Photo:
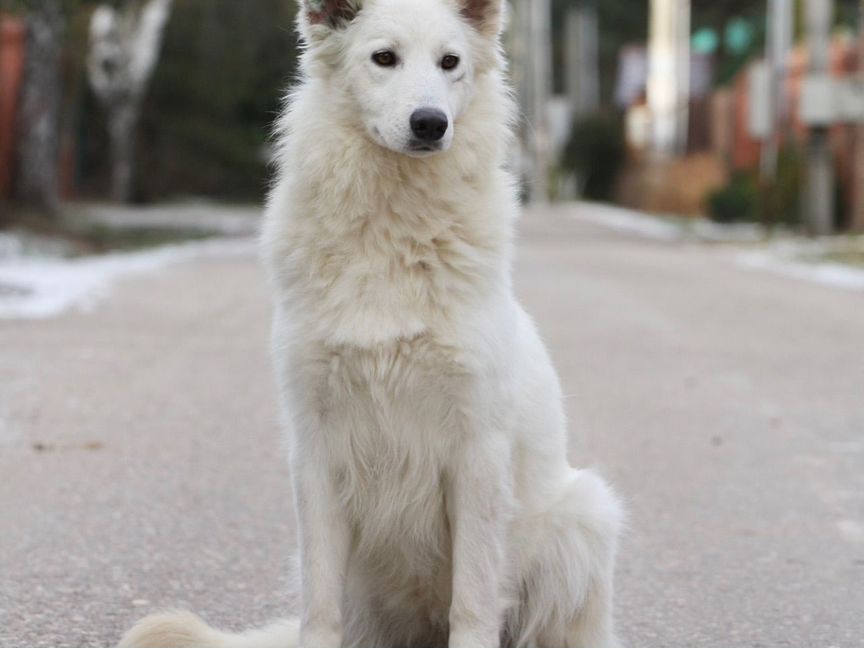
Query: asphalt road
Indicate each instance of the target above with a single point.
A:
(141, 468)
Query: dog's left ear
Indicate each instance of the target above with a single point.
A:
(334, 14)
(487, 16)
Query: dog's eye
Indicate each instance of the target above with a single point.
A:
(384, 58)
(450, 62)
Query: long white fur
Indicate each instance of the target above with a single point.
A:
(434, 500)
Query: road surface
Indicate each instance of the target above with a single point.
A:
(141, 468)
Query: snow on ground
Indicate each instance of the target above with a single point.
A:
(668, 228)
(628, 221)
(783, 254)
(16, 244)
(228, 220)
(35, 288)
(838, 275)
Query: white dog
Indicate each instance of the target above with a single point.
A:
(434, 499)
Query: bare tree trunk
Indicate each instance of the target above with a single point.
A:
(124, 47)
(122, 122)
(857, 224)
(36, 180)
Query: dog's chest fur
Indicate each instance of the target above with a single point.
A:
(381, 276)
(378, 308)
(391, 416)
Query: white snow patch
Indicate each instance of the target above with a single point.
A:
(17, 244)
(829, 274)
(787, 256)
(626, 220)
(668, 228)
(228, 220)
(43, 288)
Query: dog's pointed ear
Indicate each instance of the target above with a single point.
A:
(487, 16)
(335, 14)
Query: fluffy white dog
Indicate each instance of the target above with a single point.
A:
(434, 500)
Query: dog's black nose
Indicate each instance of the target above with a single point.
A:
(429, 124)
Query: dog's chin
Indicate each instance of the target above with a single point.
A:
(417, 149)
(423, 150)
(412, 148)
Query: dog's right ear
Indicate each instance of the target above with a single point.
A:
(329, 14)
(487, 16)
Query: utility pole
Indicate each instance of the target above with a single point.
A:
(581, 44)
(820, 185)
(777, 47)
(540, 39)
(669, 75)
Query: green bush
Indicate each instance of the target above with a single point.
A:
(737, 202)
(781, 199)
(596, 153)
(749, 199)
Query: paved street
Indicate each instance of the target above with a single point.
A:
(140, 464)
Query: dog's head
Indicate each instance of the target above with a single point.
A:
(407, 67)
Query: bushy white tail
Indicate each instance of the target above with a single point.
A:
(185, 630)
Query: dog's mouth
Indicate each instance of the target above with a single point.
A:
(421, 149)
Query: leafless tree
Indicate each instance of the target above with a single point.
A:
(124, 49)
(36, 178)
(857, 224)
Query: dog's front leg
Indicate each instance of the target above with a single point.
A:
(477, 501)
(324, 542)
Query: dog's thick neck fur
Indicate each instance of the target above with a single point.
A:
(371, 224)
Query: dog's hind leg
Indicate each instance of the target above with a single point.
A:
(185, 630)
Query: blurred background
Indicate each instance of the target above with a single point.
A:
(757, 104)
